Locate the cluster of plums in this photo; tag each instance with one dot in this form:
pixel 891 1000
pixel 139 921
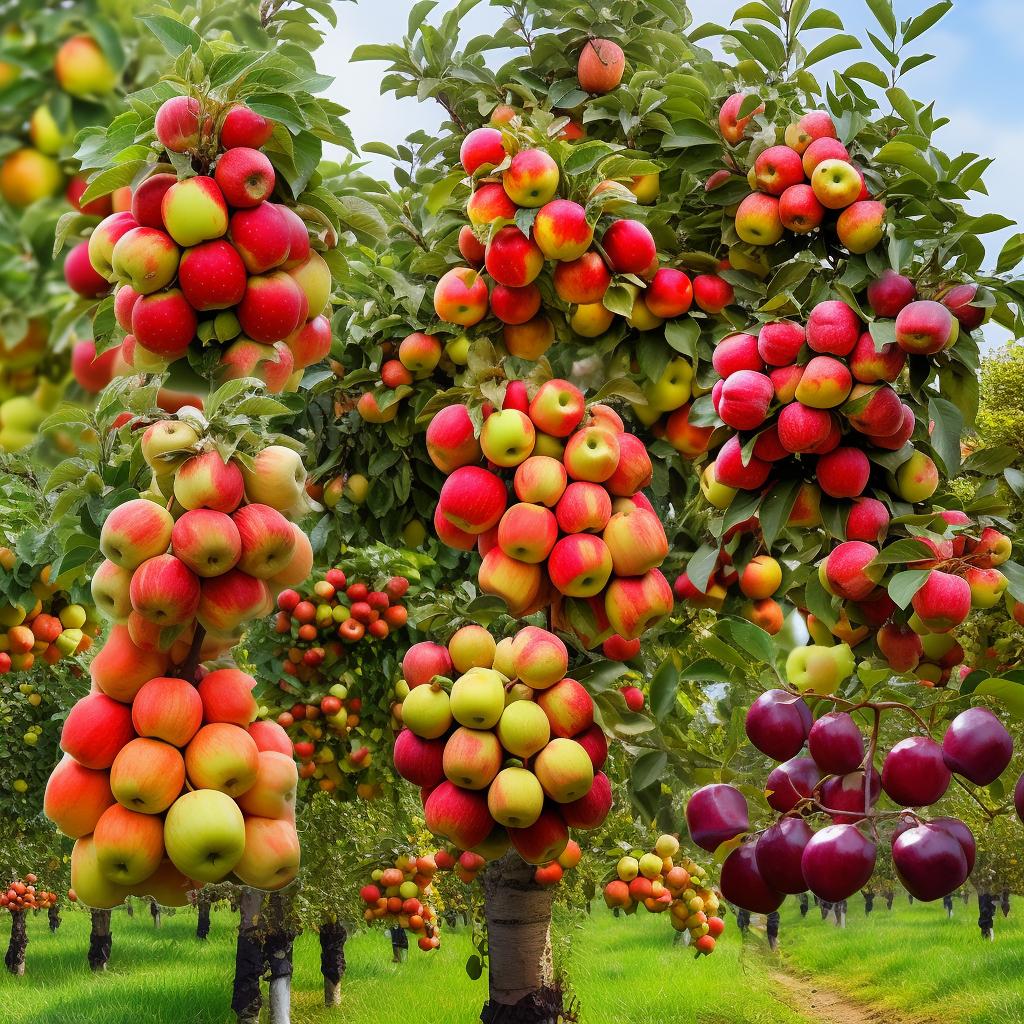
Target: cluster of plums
pixel 398 896
pixel 834 781
pixel 580 535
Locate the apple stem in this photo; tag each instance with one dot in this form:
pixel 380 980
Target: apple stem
pixel 869 765
pixel 187 671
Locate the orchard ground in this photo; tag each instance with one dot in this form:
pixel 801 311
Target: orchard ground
pixel 903 966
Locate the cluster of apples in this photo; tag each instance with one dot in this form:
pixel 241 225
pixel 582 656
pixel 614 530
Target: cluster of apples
pixel 50 629
pixel 31 173
pixel 466 865
pixel 655 882
pixel 580 535
pixel 836 781
pixel 553 872
pixel 209 259
pixel 757 582
pixel 800 183
pixel 21 414
pixel 507 754
pixel 398 895
pixel 23 894
pixel 20 363
pixel 518 225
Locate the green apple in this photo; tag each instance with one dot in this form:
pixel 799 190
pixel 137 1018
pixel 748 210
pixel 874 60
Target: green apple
pixel 204 833
pixel 427 711
pixel 819 670
pixel 515 798
pixel 523 728
pixel 478 698
pixel 507 437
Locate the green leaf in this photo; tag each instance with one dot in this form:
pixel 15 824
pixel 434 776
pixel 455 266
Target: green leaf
pixel 903 551
pixel 903 154
pixel 664 685
pixel 683 334
pixel 706 670
pixel 750 638
pixel 830 47
pixel 1011 253
pixel 926 19
pixel 867 72
pixel 822 19
pixel 175 37
pixel 1007 692
pixel 904 585
pixel 947 429
pixel 649 768
pixel 776 508
pixel 990 461
pixel 882 10
pixel 1014 574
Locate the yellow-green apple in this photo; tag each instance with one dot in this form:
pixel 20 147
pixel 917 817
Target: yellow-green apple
pixel 799 209
pixel 177 124
pixel 531 178
pixel 987 586
pixel 272 308
pixel 110 591
pixel 207 541
pixel 27 176
pixel 194 211
pixel 104 237
pixel 917 479
pixel 272 854
pixel 732 126
pixel 207 481
pixel 540 480
pixel 164 323
pixel 991 548
pixel 824 384
pixel 147 775
pixel 166 444
pixel 458 815
pixel 512 258
pixel 165 591
pixel 460 297
pixel 478 698
pixel 451 439
pixel 91 887
pixel 636 541
pixel 590 320
pixel 267 540
pixel 76 797
pixel 819 670
pixel 144 258
pixel 629 246
pixel 96 728
pixel 167 886
pixel 507 437
pixel 204 834
pixel 490 204
pixel 272 795
pixel 527 532
pixel 582 281
pixel 861 224
pixel 822 149
pixel 557 408
pixel 646 187
pixel 120 668
pixel 277 478
pixel 836 182
pixel 523 728
pixel 600 66
pixel 426 711
pixel 592 454
pixel 870 364
pixel 82 278
pixel 82 68
pixel 518 584
pixel 758 221
pixel 313 276
pixel 943 601
pixel 561 230
pixel 672 389
pixel 229 600
pixel 564 770
pixel 472 758
pixel 212 275
pixel 471 646
pixel 482 148
pixel 540 657
pixel 515 798
pixel 244 127
pixel 815 124
pixel 583 507
pixel 580 565
pixel 245 176
pixel 925 327
pixel 425 660
pixel 669 294
pixel 568 707
pixel 46 135
pixel 129 846
pixel 473 499
pixel 147 200
pixel 635 603
pixel 222 756
pixel 169 709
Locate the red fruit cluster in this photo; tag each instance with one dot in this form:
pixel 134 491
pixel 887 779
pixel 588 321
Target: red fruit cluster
pixel 466 866
pixel 398 895
pixel 508 753
pixel 580 536
pixel 657 883
pixel 554 871
pixel 24 894
pixel 210 258
pixel 414 359
pixel 756 582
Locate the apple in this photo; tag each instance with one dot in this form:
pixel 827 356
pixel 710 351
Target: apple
pixel 82 68
pixel 222 756
pixel 207 541
pixel 426 711
pixel 585 280
pixel 600 66
pixel 861 225
pixel 527 533
pixel 76 797
pixel 515 798
pixel 27 176
pixel 272 307
pixel 634 604
pixel 144 258
pixel 472 758
pixel 561 230
pixel 120 668
pixel 507 437
pixel 460 297
pixel 178 124
pixel 568 706
pixel 557 408
pixel 273 793
pixel 271 856
pixel 544 840
pixel 95 729
pixel 478 698
pixel 524 728
pixel 564 770
pixel 227 601
pixel 758 219
pixel 242 126
pixel 207 481
pixel 732 126
pixel 925 327
pixel 417 760
pixel 482 148
pixel 128 846
pixel 169 709
pixel 636 541
pixel 629 246
pixel 267 540
pixel 194 211
pixel 147 775
pixel 245 176
pixel 473 499
pixel 800 210
pixel 819 670
pixel 226 696
pixel 81 276
pixel 458 815
pixel 835 182
pixel 531 178
pixel 164 323
pixel 165 591
pixel 90 886
pixel 205 835
pixel 147 200
pixel 212 275
pixel 540 479
pixel 592 454
pixel 93 373
pixel 277 478
pixel 917 479
pixel 166 443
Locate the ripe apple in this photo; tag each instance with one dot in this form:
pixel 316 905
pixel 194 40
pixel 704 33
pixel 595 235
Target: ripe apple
pixel 482 148
pixel 226 601
pixel 564 770
pixel 147 775
pixel 120 668
pixel 271 856
pixel 472 758
pixel 165 591
pixel 76 797
pixel 507 437
pixel 531 178
pixel 458 815
pixel 178 124
pixel 135 531
pixel 96 728
pixel 207 481
pixel 515 798
pixel 226 696
pixel 223 757
pixel 600 66
pixel 204 834
pixel 169 709
pixel 129 846
pixel 242 126
pixel 273 793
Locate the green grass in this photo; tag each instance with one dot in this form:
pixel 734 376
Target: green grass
pixel 623 972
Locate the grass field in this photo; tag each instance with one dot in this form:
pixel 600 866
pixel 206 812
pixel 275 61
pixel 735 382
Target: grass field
pixel 623 972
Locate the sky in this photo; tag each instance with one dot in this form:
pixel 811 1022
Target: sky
pixel 978 46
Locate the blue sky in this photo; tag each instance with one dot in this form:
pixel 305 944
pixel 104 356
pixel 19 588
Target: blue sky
pixel 977 46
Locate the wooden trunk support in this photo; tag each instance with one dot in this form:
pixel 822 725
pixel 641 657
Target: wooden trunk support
pixel 100 941
pixel 15 958
pixel 333 936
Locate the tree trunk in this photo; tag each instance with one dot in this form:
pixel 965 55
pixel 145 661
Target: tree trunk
pixel 99 940
pixel 203 924
pixel 129 910
pixel 277 954
pixel 332 960
pixel 154 912
pixel 15 958
pixel 53 916
pixel 249 963
pixel 521 984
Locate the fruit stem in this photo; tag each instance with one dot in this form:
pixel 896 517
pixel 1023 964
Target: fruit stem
pixel 188 667
pixel 869 767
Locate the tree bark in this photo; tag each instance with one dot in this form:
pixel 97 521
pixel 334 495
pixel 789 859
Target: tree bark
pixel 277 954
pixel 15 958
pixel 53 916
pixel 246 1000
pixel 203 924
pixel 100 941
pixel 521 984
pixel 333 936
pixel 154 912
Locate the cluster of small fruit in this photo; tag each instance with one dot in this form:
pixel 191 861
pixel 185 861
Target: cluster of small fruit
pixel 398 896
pixel 581 536
pixel 31 173
pixel 27 397
pixel 49 629
pixel 800 182
pixel 757 582
pixel 208 258
pixel 553 872
pixel 22 895
pixel 838 780
pixel 178 587
pixel 655 882
pixel 507 754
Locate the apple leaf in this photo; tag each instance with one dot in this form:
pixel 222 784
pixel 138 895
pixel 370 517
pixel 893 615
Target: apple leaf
pixel 904 585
